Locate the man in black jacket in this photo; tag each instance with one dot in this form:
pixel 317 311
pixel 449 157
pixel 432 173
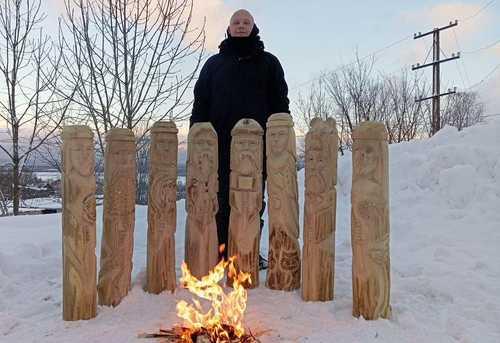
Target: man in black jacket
pixel 241 81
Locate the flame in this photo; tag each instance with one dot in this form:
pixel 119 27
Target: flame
pixel 227 310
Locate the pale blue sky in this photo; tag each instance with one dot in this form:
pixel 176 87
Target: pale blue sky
pixel 316 35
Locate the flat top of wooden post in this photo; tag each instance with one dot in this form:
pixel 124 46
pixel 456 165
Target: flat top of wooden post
pixel 330 123
pixel 164 127
pixel 76 131
pixel 280 119
pixel 247 126
pixel 370 130
pixel 201 127
pixel 120 134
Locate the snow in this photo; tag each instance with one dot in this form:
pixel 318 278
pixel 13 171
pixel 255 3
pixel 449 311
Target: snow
pixel 445 238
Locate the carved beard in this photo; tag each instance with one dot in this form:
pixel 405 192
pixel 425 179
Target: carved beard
pixel 204 165
pixel 247 166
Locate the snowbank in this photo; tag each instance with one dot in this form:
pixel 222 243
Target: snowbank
pixel 445 237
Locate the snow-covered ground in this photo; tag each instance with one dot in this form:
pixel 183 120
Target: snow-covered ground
pixel 445 259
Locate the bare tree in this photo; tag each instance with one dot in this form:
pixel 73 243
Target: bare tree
pixel 405 118
pixel 29 69
pixel 462 110
pixel 358 94
pixel 314 103
pixel 130 61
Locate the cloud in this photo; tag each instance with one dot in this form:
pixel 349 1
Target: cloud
pixel 214 13
pixel 442 14
pixel 472 21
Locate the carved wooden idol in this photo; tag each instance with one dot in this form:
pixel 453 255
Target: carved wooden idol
pixel 245 197
pixel 162 208
pixel 119 217
pixel 79 226
pixel 318 263
pixel 201 248
pixel 284 249
pixel 370 222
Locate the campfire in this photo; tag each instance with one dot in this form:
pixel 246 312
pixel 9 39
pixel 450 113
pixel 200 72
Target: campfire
pixel 223 321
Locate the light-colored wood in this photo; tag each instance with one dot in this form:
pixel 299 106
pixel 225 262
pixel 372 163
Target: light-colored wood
pixel 318 255
pixel 245 197
pixel 162 208
pixel 79 224
pixel 119 217
pixel 284 249
pixel 371 281
pixel 201 248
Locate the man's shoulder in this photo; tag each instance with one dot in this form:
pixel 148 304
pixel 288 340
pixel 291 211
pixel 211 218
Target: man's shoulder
pixel 212 61
pixel 270 58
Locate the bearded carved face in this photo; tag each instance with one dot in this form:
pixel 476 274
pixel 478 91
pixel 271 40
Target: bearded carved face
pixel 81 157
pixel 203 156
pixel 316 166
pixel 246 151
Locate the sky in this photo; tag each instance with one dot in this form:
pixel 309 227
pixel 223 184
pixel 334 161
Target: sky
pixel 313 36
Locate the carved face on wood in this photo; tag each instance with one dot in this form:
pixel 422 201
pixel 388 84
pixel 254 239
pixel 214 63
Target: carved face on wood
pixel 81 157
pixel 204 154
pixel 246 148
pixel 278 138
pixel 366 156
pixel 165 149
pixel 316 166
pixel 122 156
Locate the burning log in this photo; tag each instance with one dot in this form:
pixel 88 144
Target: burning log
pixel 180 334
pixel 223 322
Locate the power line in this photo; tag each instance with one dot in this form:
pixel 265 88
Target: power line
pixel 488 4
pixel 485 78
pixel 373 54
pixel 461 61
pixel 489 46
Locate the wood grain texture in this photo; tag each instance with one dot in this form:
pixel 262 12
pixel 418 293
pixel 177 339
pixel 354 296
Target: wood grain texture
pixel 119 217
pixel 201 247
pixel 371 282
pixel 245 197
pixel 162 209
pixel 284 249
pixel 318 255
pixel 79 224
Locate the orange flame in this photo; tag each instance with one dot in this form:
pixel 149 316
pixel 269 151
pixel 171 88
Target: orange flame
pixel 226 309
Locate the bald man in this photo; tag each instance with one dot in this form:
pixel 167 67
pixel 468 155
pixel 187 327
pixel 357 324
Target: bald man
pixel 241 81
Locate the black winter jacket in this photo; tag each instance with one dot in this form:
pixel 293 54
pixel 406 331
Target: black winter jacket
pixel 241 81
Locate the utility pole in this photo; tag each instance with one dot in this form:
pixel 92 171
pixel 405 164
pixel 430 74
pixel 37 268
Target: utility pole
pixel 436 78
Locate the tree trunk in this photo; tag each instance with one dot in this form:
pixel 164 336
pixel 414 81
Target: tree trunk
pixel 15 170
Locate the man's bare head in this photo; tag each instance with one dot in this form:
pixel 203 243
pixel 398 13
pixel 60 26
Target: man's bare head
pixel 241 24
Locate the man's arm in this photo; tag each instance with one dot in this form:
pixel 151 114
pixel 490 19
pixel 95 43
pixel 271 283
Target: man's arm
pixel 279 89
pixel 201 102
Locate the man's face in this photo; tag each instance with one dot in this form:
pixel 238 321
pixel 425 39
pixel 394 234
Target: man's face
pixel 241 24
